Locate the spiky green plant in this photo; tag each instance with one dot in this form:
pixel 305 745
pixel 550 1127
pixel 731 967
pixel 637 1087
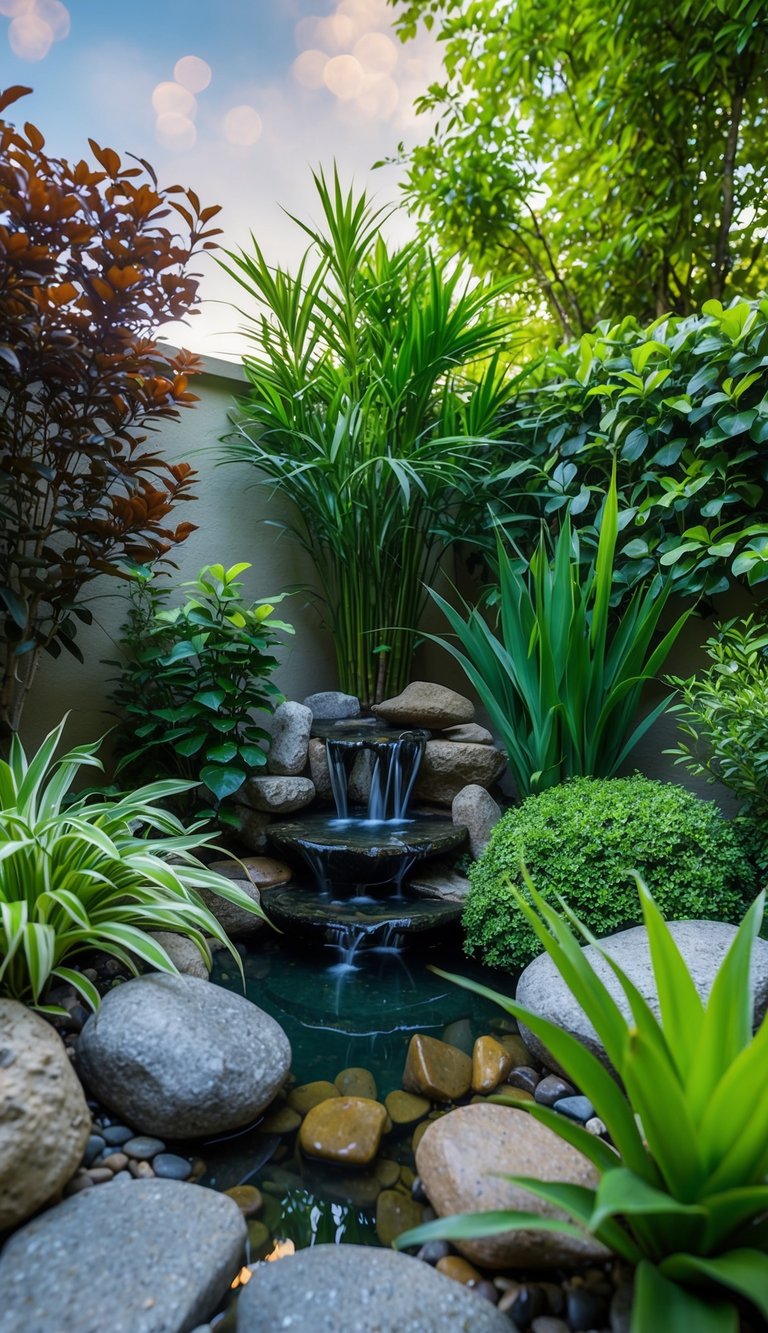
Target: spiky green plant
pixel 561 683
pixel 375 386
pixel 682 1192
pixel 94 874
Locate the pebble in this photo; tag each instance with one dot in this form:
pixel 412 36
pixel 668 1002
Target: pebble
pixel 529 1303
pixel 140 1170
pixel 555 1297
pixel 437 1070
pixel 117 1135
pixel 123 1175
pixel 93 1147
pixel 576 1108
pixel 171 1167
pixel 303 1098
pixel 546 1323
pixel 551 1089
pixel 247 1197
pixel 395 1213
pixel 523 1077
pixel 459 1034
pixel 433 1251
pixel 387 1172
pixel 491 1063
pixel 283 1120
pixel 596 1126
pixel 357 1082
pixel 346 1130
pixel 143 1147
pixel 584 1310
pixel 114 1161
pixel 259 1240
pixel 80 1181
pixel 458 1269
pixel 487 1291
pixel 418 1191
pixel 405 1108
pixel 100 1174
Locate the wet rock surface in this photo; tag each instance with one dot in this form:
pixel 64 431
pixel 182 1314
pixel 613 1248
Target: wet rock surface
pixel 343 1129
pixel 436 1069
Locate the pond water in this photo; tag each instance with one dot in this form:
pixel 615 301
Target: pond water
pixel 337 1017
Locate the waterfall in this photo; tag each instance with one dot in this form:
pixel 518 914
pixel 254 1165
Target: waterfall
pixel 395 770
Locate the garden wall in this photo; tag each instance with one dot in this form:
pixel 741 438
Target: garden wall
pixel 230 514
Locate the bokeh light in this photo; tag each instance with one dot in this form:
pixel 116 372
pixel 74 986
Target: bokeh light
pixel 56 15
pixel 192 73
pixel 12 8
pixel 304 32
pixel 336 33
pixel 308 69
pixel 344 77
pixel 30 37
pixel 376 52
pixel 175 131
pixel 242 126
pixel 171 97
pixel 378 98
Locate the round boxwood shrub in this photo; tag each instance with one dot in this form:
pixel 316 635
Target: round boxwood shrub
pixel 583 839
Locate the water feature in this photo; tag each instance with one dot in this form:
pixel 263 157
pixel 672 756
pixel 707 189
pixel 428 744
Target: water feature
pixel 361 856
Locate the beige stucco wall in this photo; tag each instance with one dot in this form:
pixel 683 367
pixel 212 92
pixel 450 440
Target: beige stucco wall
pixel 231 514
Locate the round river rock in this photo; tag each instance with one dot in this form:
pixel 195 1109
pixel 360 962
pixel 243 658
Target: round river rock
pixel 177 1057
pixel 360 1290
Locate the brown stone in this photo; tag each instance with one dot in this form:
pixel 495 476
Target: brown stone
pixel 386 1172
pixel 307 1095
pixel 405 1108
pixel 418 1134
pixel 517 1048
pixel 356 1082
pixel 248 1199
pixel 447 767
pixel 343 1129
pixel 283 1120
pixel 463 1160
pixel 424 704
pixel 263 871
pixel 490 1064
pixel 436 1069
pixel 117 1161
pixel 44 1120
pixel 395 1213
pixel 470 732
pixel 457 1269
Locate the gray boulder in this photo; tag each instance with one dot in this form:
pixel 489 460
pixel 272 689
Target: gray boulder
pixel 289 727
pixel 139 1257
pixel 448 766
pixel 360 1290
pixel 703 945
pixel 332 706
pixel 424 704
pixel 475 809
pixel 181 951
pixel 178 1058
pixel 44 1121
pixel 277 795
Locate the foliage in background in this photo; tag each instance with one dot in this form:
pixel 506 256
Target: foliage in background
pixel 681 409
pixel 722 714
pixel 583 840
pixel 612 157
pixel 82 874
pixel 91 264
pixel 682 1192
pixel 560 681
pixel 191 679
pixel 362 413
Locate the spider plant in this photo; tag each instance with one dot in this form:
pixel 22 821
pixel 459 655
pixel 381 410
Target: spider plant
pixel 375 388
pixel 561 681
pixel 85 873
pixel 682 1191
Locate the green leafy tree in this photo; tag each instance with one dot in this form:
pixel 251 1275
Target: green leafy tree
pixel 614 153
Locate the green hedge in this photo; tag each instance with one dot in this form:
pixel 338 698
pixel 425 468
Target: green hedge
pixel 583 839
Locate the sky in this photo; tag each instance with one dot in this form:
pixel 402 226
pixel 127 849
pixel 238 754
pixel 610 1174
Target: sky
pixel 238 99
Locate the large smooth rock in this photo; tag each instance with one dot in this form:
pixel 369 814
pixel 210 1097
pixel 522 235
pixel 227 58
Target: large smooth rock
pixel 140 1257
pixel 183 953
pixel 703 945
pixel 236 920
pixel 332 706
pixel 277 795
pixel 177 1057
pixel 290 727
pixel 439 881
pixel 462 1160
pixel 44 1121
pixel 343 1129
pixel 436 1070
pixel 447 767
pixel 360 1290
pixel 475 809
pixel 423 704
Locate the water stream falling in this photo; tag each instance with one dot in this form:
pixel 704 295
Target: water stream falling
pixel 396 765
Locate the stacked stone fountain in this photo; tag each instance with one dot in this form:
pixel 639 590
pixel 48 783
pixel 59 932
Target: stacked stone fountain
pixel 381 789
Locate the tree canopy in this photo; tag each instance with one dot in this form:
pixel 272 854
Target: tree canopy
pixel 612 155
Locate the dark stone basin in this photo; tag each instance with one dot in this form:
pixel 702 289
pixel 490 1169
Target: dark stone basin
pixel 364 731
pixel 355 923
pixel 359 851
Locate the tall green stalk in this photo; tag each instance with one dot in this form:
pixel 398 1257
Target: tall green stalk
pixel 375 388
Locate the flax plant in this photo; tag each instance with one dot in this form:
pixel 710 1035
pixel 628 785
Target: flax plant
pixel 561 680
pixel 682 1190
pixel 375 389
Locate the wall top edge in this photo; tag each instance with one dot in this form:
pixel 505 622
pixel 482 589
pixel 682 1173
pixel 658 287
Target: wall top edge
pixel 217 366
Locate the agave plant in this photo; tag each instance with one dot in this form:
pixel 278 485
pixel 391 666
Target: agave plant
pixel 682 1192
pixel 94 873
pixel 375 387
pixel 562 684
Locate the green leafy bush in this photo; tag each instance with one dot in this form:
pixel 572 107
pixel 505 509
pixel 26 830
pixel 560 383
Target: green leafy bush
pixel 87 873
pixel 682 406
pixel 682 1192
pixel 583 840
pixel 191 680
pixel 562 684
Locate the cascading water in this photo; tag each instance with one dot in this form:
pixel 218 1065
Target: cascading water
pixel 361 857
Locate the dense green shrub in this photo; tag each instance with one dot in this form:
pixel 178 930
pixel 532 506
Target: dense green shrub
pixel 583 840
pixel 682 406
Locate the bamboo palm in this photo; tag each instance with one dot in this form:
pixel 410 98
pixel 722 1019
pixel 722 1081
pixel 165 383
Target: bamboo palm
pixel 375 388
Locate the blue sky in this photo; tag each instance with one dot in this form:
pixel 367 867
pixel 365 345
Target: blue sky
pixel 291 84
